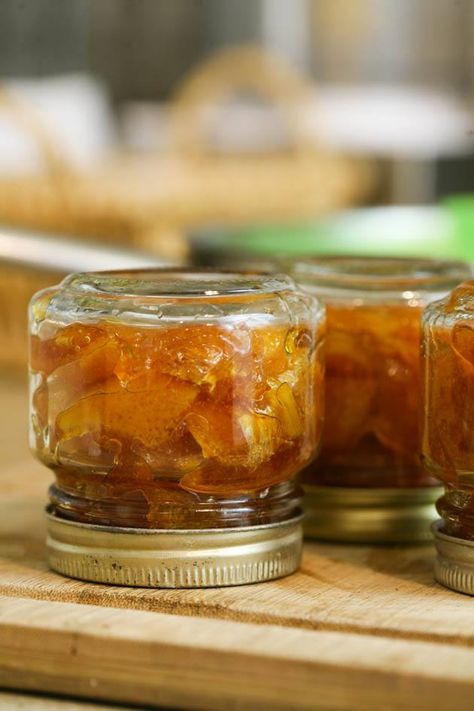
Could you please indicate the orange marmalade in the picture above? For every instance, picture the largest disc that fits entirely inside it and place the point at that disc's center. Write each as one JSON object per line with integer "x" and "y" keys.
{"x": 448, "y": 441}
{"x": 175, "y": 399}
{"x": 372, "y": 431}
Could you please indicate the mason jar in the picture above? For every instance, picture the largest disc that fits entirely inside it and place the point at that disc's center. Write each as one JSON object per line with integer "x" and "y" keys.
{"x": 369, "y": 484}
{"x": 448, "y": 430}
{"x": 175, "y": 409}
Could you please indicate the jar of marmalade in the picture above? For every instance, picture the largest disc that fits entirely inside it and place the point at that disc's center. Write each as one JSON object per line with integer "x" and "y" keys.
{"x": 175, "y": 409}
{"x": 448, "y": 430}
{"x": 368, "y": 484}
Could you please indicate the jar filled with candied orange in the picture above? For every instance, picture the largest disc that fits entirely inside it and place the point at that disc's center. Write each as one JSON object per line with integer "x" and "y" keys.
{"x": 369, "y": 483}
{"x": 448, "y": 430}
{"x": 175, "y": 409}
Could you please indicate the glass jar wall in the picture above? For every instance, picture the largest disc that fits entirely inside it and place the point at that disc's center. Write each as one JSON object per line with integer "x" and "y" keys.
{"x": 448, "y": 429}
{"x": 448, "y": 441}
{"x": 369, "y": 482}
{"x": 175, "y": 400}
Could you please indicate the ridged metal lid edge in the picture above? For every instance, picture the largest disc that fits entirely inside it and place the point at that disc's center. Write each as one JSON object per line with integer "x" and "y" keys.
{"x": 454, "y": 564}
{"x": 174, "y": 558}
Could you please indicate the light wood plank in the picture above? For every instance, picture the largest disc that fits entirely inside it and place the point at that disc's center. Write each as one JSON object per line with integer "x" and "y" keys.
{"x": 13, "y": 701}
{"x": 142, "y": 657}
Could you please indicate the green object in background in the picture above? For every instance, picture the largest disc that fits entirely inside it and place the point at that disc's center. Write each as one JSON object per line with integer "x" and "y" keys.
{"x": 461, "y": 209}
{"x": 445, "y": 231}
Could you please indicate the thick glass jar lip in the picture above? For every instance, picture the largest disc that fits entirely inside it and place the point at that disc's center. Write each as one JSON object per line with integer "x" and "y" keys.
{"x": 386, "y": 274}
{"x": 459, "y": 301}
{"x": 175, "y": 283}
{"x": 463, "y": 295}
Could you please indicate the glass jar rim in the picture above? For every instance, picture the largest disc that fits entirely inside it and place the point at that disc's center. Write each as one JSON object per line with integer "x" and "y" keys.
{"x": 176, "y": 283}
{"x": 380, "y": 273}
{"x": 461, "y": 299}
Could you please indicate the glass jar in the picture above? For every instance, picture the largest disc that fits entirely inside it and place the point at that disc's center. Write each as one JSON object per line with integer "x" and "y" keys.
{"x": 368, "y": 483}
{"x": 175, "y": 401}
{"x": 448, "y": 430}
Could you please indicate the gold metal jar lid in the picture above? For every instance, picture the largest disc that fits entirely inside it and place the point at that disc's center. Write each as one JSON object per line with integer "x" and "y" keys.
{"x": 370, "y": 515}
{"x": 174, "y": 558}
{"x": 454, "y": 564}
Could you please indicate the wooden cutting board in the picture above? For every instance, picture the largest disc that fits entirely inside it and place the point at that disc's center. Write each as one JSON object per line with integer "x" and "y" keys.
{"x": 358, "y": 628}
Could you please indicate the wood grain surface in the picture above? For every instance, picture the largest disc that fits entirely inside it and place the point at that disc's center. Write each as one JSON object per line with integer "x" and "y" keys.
{"x": 357, "y": 628}
{"x": 14, "y": 701}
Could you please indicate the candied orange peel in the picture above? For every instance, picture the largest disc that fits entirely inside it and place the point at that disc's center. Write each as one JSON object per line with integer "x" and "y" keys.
{"x": 192, "y": 409}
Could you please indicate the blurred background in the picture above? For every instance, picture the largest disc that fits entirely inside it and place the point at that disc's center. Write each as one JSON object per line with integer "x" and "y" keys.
{"x": 208, "y": 131}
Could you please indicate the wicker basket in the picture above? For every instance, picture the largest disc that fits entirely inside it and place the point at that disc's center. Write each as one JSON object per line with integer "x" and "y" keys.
{"x": 97, "y": 205}
{"x": 150, "y": 201}
{"x": 202, "y": 187}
